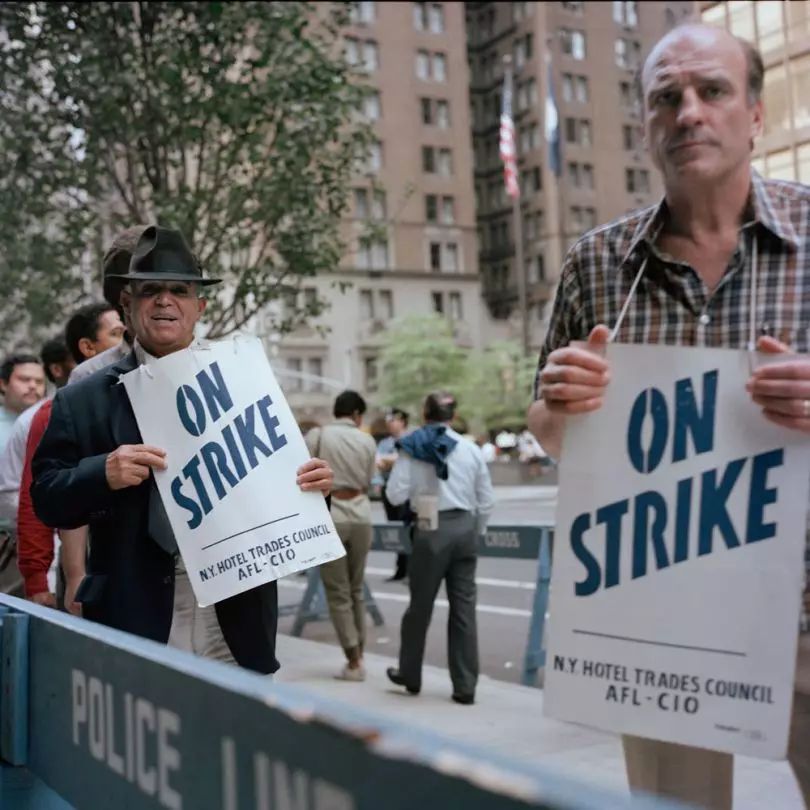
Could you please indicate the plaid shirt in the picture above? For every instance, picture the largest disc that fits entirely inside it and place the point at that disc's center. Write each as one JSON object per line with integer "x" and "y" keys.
{"x": 671, "y": 305}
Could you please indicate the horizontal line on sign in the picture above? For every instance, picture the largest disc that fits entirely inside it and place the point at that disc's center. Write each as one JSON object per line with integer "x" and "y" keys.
{"x": 661, "y": 643}
{"x": 245, "y": 531}
{"x": 489, "y": 581}
{"x": 384, "y": 596}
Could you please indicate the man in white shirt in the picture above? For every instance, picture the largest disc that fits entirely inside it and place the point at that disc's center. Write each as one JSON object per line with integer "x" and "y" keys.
{"x": 449, "y": 487}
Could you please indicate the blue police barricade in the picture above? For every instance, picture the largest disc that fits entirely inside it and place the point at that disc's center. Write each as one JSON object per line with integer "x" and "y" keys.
{"x": 93, "y": 718}
{"x": 510, "y": 542}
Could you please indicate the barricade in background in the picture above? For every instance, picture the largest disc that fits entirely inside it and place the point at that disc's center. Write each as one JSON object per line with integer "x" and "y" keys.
{"x": 96, "y": 719}
{"x": 516, "y": 542}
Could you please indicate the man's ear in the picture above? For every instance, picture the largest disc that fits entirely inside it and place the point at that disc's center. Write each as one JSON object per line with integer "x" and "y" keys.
{"x": 203, "y": 303}
{"x": 86, "y": 347}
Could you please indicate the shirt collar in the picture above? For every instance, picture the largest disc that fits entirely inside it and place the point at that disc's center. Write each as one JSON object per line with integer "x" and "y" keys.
{"x": 143, "y": 357}
{"x": 763, "y": 207}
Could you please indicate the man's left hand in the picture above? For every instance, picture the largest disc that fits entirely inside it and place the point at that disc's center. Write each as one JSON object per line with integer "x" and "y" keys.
{"x": 315, "y": 475}
{"x": 782, "y": 389}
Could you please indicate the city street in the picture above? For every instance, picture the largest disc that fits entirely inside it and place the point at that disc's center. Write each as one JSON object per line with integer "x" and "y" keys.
{"x": 505, "y": 594}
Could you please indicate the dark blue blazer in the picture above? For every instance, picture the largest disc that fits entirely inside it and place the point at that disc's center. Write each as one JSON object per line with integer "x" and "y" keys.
{"x": 132, "y": 575}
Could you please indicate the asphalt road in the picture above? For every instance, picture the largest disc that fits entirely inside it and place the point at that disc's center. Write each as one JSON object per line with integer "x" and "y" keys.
{"x": 505, "y": 596}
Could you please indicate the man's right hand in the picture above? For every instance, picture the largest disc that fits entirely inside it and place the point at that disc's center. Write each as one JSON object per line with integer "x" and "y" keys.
{"x": 575, "y": 377}
{"x": 130, "y": 464}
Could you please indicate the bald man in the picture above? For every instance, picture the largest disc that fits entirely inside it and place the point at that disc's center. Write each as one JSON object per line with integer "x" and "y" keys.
{"x": 702, "y": 113}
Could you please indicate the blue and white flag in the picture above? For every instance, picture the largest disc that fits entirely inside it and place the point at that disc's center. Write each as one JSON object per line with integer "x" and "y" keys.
{"x": 552, "y": 119}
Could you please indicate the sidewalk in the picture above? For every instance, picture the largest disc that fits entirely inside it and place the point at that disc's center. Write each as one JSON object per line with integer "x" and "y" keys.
{"x": 509, "y": 719}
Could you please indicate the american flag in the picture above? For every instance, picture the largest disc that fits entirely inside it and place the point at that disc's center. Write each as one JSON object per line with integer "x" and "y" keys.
{"x": 508, "y": 152}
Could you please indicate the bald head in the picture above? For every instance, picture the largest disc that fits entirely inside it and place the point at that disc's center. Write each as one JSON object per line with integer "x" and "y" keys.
{"x": 735, "y": 51}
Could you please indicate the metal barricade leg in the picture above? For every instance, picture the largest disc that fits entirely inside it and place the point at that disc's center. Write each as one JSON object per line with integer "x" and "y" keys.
{"x": 535, "y": 657}
{"x": 371, "y": 606}
{"x": 312, "y": 599}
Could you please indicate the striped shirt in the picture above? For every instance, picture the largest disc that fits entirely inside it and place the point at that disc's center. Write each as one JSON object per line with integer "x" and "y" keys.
{"x": 671, "y": 304}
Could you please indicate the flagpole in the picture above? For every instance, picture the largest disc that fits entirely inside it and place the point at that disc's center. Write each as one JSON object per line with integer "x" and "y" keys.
{"x": 520, "y": 262}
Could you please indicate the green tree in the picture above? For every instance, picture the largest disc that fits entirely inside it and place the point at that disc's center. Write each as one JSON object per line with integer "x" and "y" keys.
{"x": 418, "y": 355}
{"x": 235, "y": 122}
{"x": 497, "y": 385}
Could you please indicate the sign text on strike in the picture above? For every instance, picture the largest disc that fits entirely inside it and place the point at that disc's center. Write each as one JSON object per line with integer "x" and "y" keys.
{"x": 228, "y": 459}
{"x": 651, "y": 524}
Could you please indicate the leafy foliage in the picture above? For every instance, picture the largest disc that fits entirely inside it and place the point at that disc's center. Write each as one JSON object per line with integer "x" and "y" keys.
{"x": 419, "y": 355}
{"x": 235, "y": 122}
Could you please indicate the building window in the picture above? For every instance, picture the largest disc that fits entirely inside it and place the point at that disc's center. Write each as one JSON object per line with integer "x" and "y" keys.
{"x": 445, "y": 162}
{"x": 420, "y": 17}
{"x": 625, "y": 14}
{"x": 422, "y": 65}
{"x": 427, "y": 111}
{"x": 372, "y": 108}
{"x": 800, "y": 75}
{"x": 436, "y": 18}
{"x": 371, "y": 59}
{"x": 436, "y": 257}
{"x": 362, "y": 13}
{"x": 637, "y": 181}
{"x": 571, "y": 130}
{"x": 372, "y": 254}
{"x": 585, "y": 133}
{"x": 776, "y": 100}
{"x": 451, "y": 257}
{"x": 439, "y": 67}
{"x": 438, "y": 302}
{"x": 582, "y": 93}
{"x": 573, "y": 43}
{"x": 370, "y": 162}
{"x": 315, "y": 370}
{"x": 576, "y": 7}
{"x": 443, "y": 114}
{"x": 770, "y": 26}
{"x": 522, "y": 11}
{"x": 366, "y": 305}
{"x": 386, "y": 304}
{"x": 448, "y": 210}
{"x": 370, "y": 373}
{"x": 588, "y": 177}
{"x": 741, "y": 20}
{"x": 630, "y": 137}
{"x": 628, "y": 53}
{"x": 567, "y": 87}
{"x": 627, "y": 94}
{"x": 804, "y": 164}
{"x": 378, "y": 205}
{"x": 431, "y": 208}
{"x": 428, "y": 160}
{"x": 361, "y": 203}
{"x": 293, "y": 379}
{"x": 455, "y": 312}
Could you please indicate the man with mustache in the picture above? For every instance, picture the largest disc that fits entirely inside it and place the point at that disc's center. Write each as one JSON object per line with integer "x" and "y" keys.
{"x": 703, "y": 110}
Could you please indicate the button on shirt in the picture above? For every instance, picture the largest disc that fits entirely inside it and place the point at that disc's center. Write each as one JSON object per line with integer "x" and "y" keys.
{"x": 468, "y": 485}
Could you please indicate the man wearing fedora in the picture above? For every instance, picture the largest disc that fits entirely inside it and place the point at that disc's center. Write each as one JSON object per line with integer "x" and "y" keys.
{"x": 91, "y": 468}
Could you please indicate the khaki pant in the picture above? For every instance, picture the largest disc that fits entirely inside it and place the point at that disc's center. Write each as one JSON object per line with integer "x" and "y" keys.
{"x": 343, "y": 584}
{"x": 706, "y": 778}
{"x": 196, "y": 629}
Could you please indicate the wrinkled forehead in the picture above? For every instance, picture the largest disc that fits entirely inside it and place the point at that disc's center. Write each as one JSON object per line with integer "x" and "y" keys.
{"x": 694, "y": 56}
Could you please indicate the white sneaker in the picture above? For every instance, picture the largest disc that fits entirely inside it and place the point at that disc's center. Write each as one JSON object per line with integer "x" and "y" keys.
{"x": 348, "y": 673}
